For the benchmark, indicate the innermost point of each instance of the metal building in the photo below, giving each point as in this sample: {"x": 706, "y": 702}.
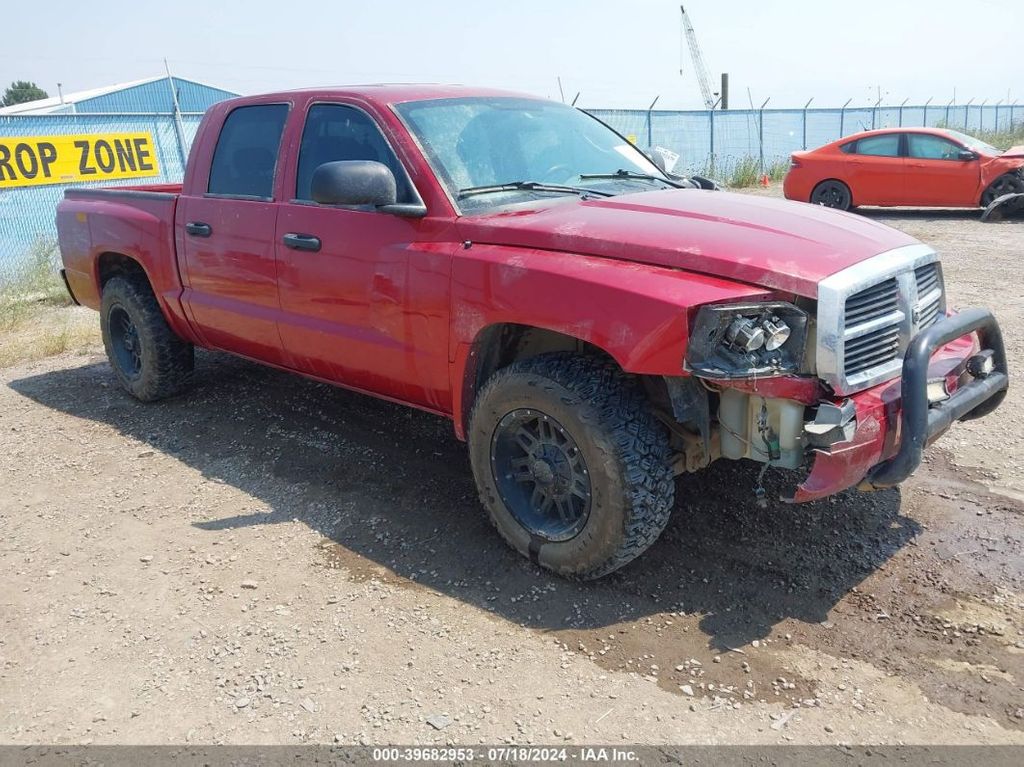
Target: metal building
{"x": 39, "y": 156}
{"x": 154, "y": 95}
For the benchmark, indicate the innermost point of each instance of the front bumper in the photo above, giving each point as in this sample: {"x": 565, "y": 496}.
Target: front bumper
{"x": 896, "y": 420}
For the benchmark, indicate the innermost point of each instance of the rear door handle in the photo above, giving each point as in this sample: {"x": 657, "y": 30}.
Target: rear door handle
{"x": 301, "y": 242}
{"x": 198, "y": 229}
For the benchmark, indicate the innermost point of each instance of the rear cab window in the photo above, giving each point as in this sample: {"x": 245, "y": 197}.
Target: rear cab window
{"x": 245, "y": 158}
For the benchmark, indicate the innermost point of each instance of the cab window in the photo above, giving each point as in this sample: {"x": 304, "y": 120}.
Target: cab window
{"x": 337, "y": 132}
{"x": 927, "y": 147}
{"x": 246, "y": 153}
{"x": 886, "y": 145}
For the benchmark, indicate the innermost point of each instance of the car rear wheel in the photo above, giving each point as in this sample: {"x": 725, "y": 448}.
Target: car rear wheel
{"x": 571, "y": 463}
{"x": 1008, "y": 183}
{"x": 150, "y": 361}
{"x": 832, "y": 194}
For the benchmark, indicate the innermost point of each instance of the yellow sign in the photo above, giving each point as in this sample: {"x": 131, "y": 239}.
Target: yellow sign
{"x": 39, "y": 160}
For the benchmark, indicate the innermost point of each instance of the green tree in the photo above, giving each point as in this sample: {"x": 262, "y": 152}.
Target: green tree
{"x": 22, "y": 91}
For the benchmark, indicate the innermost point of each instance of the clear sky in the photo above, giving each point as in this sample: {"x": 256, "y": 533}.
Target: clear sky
{"x": 616, "y": 54}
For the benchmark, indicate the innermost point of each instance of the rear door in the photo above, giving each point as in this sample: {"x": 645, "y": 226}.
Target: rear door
{"x": 876, "y": 170}
{"x": 227, "y": 237}
{"x": 364, "y": 294}
{"x": 936, "y": 175}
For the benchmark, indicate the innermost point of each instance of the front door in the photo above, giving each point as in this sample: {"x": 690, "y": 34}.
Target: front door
{"x": 936, "y": 174}
{"x": 364, "y": 295}
{"x": 227, "y": 238}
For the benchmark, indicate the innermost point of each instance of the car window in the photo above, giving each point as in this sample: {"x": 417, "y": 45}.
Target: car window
{"x": 848, "y": 148}
{"x": 927, "y": 147}
{"x": 887, "y": 145}
{"x": 246, "y": 153}
{"x": 337, "y": 132}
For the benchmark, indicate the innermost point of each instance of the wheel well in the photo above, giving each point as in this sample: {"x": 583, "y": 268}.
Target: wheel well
{"x": 114, "y": 264}
{"x": 498, "y": 346}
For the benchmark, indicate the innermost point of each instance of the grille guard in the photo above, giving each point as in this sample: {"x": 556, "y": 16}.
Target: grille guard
{"x": 921, "y": 421}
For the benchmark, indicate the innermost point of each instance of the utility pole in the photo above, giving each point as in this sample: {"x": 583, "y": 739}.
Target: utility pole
{"x": 179, "y": 128}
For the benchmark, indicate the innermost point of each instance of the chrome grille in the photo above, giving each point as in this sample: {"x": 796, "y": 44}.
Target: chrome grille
{"x": 868, "y": 351}
{"x": 868, "y": 313}
{"x": 872, "y": 327}
{"x": 929, "y": 295}
{"x": 877, "y": 301}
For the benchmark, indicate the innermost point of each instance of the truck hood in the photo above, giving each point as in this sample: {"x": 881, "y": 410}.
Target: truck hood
{"x": 788, "y": 246}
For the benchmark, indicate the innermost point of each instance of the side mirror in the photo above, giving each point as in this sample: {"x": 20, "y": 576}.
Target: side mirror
{"x": 967, "y": 155}
{"x": 353, "y": 182}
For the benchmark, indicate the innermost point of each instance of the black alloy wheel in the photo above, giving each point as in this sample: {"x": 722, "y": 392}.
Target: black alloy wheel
{"x": 541, "y": 474}
{"x": 832, "y": 194}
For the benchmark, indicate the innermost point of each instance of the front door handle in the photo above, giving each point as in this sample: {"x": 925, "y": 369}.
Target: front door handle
{"x": 198, "y": 229}
{"x": 301, "y": 242}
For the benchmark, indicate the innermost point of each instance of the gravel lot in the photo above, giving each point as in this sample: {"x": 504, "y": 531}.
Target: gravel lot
{"x": 272, "y": 560}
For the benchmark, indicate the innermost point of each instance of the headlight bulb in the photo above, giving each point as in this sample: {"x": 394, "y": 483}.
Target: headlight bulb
{"x": 744, "y": 334}
{"x": 776, "y": 333}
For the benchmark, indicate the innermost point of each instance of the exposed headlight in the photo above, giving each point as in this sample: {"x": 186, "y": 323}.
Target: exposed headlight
{"x": 743, "y": 340}
{"x": 776, "y": 333}
{"x": 745, "y": 335}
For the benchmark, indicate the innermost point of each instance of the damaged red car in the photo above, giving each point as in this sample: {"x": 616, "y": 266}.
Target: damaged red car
{"x": 591, "y": 326}
{"x": 914, "y": 167}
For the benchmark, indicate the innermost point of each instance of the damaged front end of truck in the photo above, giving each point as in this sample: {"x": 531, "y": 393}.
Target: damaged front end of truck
{"x": 849, "y": 388}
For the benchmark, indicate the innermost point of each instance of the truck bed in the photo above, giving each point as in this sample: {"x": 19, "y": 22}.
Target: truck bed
{"x": 96, "y": 223}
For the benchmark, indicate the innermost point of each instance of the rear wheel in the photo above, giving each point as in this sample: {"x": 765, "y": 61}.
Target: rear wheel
{"x": 832, "y": 194}
{"x": 150, "y": 361}
{"x": 1008, "y": 183}
{"x": 571, "y": 464}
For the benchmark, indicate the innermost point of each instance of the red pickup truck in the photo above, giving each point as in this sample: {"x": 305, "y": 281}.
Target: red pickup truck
{"x": 592, "y": 326}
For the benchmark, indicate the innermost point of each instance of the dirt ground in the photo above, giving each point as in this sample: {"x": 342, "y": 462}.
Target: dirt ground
{"x": 270, "y": 560}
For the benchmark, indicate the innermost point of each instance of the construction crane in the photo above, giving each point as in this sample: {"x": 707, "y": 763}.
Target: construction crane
{"x": 700, "y": 70}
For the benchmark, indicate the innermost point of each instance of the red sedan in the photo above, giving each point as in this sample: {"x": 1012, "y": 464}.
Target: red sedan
{"x": 928, "y": 167}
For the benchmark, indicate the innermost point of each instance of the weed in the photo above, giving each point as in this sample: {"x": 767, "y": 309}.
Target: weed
{"x": 36, "y": 316}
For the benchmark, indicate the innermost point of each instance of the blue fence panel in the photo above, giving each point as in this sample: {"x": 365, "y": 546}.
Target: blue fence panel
{"x": 27, "y": 213}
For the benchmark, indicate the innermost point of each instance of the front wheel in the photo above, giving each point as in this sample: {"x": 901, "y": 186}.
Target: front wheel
{"x": 1008, "y": 183}
{"x": 150, "y": 361}
{"x": 832, "y": 194}
{"x": 571, "y": 464}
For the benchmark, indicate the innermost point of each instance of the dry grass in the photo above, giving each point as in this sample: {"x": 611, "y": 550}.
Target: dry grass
{"x": 744, "y": 172}
{"x": 37, "y": 318}
{"x": 43, "y": 331}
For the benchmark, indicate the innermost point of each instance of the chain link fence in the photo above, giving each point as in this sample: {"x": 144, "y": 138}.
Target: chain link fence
{"x": 708, "y": 142}
{"x": 27, "y": 214}
{"x": 715, "y": 142}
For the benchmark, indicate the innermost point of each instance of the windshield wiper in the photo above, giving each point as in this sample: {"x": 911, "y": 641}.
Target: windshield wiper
{"x": 530, "y": 186}
{"x": 622, "y": 173}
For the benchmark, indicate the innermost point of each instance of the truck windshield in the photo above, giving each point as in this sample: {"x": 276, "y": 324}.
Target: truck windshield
{"x": 520, "y": 149}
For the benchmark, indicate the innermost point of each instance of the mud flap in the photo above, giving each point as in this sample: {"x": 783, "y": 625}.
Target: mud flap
{"x": 1004, "y": 206}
